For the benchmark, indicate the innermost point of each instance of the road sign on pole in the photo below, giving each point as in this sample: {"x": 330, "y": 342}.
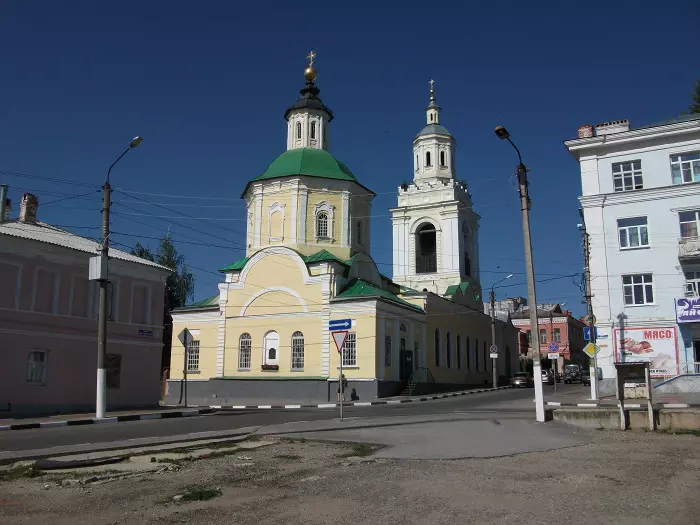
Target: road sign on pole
{"x": 185, "y": 337}
{"x": 587, "y": 333}
{"x": 591, "y": 350}
{"x": 553, "y": 347}
{"x": 340, "y": 324}
{"x": 339, "y": 340}
{"x": 493, "y": 349}
{"x": 553, "y": 355}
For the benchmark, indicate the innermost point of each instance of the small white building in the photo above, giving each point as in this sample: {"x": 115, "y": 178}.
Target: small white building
{"x": 641, "y": 205}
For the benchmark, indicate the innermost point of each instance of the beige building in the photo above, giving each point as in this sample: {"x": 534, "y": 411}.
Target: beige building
{"x": 265, "y": 334}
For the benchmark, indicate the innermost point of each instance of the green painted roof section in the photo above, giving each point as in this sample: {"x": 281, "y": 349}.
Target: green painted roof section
{"x": 323, "y": 256}
{"x": 204, "y": 303}
{"x": 307, "y": 161}
{"x": 360, "y": 288}
{"x": 236, "y": 265}
{"x": 452, "y": 289}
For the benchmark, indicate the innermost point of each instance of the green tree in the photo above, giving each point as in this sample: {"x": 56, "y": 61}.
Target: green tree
{"x": 695, "y": 106}
{"x": 179, "y": 285}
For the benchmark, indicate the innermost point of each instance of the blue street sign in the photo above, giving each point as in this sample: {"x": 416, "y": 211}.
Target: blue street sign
{"x": 587, "y": 333}
{"x": 553, "y": 347}
{"x": 340, "y": 324}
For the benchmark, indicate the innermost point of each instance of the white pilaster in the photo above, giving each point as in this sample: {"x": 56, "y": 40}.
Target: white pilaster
{"x": 381, "y": 323}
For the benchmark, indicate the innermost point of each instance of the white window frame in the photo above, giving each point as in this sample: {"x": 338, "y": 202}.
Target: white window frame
{"x": 639, "y": 230}
{"x": 543, "y": 336}
{"x": 245, "y": 351}
{"x": 696, "y": 222}
{"x": 350, "y": 350}
{"x": 556, "y": 335}
{"x": 329, "y": 210}
{"x": 690, "y": 166}
{"x": 636, "y": 280}
{"x": 692, "y": 277}
{"x": 625, "y": 172}
{"x": 193, "y": 355}
{"x": 275, "y": 207}
{"x": 36, "y": 370}
{"x": 268, "y": 339}
{"x": 297, "y": 351}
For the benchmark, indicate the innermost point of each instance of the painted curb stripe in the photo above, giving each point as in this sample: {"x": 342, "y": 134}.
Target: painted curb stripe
{"x": 676, "y": 405}
{"x": 326, "y": 405}
{"x": 363, "y": 404}
{"x": 292, "y": 406}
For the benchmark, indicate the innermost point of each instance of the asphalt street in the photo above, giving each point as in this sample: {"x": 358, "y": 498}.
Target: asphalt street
{"x": 515, "y": 403}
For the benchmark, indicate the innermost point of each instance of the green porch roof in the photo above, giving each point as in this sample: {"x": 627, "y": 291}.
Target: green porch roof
{"x": 324, "y": 256}
{"x": 463, "y": 286}
{"x": 236, "y": 265}
{"x": 359, "y": 288}
{"x": 204, "y": 303}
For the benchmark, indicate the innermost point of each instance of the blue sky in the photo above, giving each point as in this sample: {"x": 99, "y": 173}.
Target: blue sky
{"x": 206, "y": 85}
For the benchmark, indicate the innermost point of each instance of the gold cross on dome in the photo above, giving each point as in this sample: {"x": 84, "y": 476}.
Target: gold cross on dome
{"x": 311, "y": 57}
{"x": 432, "y": 84}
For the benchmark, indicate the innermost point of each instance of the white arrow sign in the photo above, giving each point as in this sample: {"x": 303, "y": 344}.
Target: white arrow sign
{"x": 339, "y": 338}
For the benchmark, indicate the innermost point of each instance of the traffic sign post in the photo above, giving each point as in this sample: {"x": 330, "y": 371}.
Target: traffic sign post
{"x": 587, "y": 333}
{"x": 185, "y": 337}
{"x": 340, "y": 324}
{"x": 553, "y": 356}
{"x": 339, "y": 338}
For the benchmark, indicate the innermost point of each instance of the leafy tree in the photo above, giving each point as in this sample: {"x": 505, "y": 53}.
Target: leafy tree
{"x": 179, "y": 285}
{"x": 695, "y": 106}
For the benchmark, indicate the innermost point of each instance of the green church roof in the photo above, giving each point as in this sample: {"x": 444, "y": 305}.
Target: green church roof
{"x": 209, "y": 302}
{"x": 235, "y": 265}
{"x": 323, "y": 256}
{"x": 361, "y": 288}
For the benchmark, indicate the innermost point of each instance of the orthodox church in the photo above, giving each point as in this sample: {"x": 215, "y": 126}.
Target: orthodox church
{"x": 265, "y": 335}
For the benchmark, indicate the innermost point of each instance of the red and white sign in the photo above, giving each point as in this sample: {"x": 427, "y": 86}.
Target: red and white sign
{"x": 339, "y": 338}
{"x": 657, "y": 345}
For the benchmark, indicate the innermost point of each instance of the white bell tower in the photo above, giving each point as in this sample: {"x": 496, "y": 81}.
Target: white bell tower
{"x": 435, "y": 230}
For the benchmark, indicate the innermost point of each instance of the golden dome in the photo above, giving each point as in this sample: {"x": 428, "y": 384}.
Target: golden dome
{"x": 310, "y": 74}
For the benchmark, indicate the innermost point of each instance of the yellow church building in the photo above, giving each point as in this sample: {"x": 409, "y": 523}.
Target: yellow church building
{"x": 265, "y": 335}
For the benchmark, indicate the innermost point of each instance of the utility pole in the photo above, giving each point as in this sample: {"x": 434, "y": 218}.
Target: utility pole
{"x": 589, "y": 306}
{"x": 99, "y": 271}
{"x": 494, "y": 363}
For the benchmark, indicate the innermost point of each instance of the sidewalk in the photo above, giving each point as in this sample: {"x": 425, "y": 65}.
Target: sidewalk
{"x": 581, "y": 398}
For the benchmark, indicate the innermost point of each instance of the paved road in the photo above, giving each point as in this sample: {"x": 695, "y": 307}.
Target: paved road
{"x": 516, "y": 403}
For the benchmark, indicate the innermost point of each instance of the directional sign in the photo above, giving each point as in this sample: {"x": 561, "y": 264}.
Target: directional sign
{"x": 339, "y": 338}
{"x": 553, "y": 347}
{"x": 553, "y": 355}
{"x": 587, "y": 333}
{"x": 340, "y": 324}
{"x": 184, "y": 337}
{"x": 591, "y": 350}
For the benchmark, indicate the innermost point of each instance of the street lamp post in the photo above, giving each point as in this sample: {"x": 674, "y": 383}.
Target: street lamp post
{"x": 493, "y": 329}
{"x": 502, "y": 133}
{"x": 102, "y": 275}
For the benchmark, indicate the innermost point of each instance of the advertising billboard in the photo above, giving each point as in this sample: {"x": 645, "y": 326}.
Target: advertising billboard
{"x": 656, "y": 345}
{"x": 688, "y": 310}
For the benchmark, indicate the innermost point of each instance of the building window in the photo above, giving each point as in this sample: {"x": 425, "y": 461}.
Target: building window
{"x": 10, "y": 278}
{"x": 350, "y": 350}
{"x": 685, "y": 168}
{"x": 638, "y": 288}
{"x": 387, "y": 350}
{"x": 45, "y": 291}
{"x": 297, "y": 351}
{"x": 459, "y": 352}
{"x": 322, "y": 225}
{"x": 271, "y": 344}
{"x": 627, "y": 176}
{"x": 529, "y": 337}
{"x": 469, "y": 364}
{"x": 139, "y": 304}
{"x": 417, "y": 163}
{"x": 437, "y": 347}
{"x": 359, "y": 232}
{"x": 476, "y": 354}
{"x": 193, "y": 356}
{"x": 543, "y": 336}
{"x": 313, "y": 130}
{"x": 690, "y": 223}
{"x": 486, "y": 356}
{"x": 113, "y": 372}
{"x": 448, "y": 349}
{"x": 36, "y": 367}
{"x": 633, "y": 232}
{"x": 692, "y": 281}
{"x": 442, "y": 159}
{"x": 298, "y": 130}
{"x": 427, "y": 159}
{"x": 245, "y": 347}
{"x": 557, "y": 335}
{"x": 426, "y": 249}
{"x": 431, "y": 117}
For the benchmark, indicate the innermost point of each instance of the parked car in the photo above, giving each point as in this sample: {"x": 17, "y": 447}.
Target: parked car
{"x": 547, "y": 377}
{"x": 586, "y": 377}
{"x": 521, "y": 379}
{"x": 572, "y": 373}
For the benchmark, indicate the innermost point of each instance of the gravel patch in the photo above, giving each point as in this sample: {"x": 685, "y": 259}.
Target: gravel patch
{"x": 622, "y": 478}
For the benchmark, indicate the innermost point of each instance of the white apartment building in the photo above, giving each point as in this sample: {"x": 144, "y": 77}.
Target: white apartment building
{"x": 641, "y": 205}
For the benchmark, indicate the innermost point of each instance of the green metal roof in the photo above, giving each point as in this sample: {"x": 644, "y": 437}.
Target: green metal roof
{"x": 323, "y": 256}
{"x": 236, "y": 265}
{"x": 311, "y": 162}
{"x": 451, "y": 290}
{"x": 361, "y": 288}
{"x": 209, "y": 302}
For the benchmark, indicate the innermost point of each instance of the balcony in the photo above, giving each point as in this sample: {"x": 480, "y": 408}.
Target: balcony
{"x": 689, "y": 248}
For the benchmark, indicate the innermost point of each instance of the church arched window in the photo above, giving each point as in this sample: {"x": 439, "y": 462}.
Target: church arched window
{"x": 427, "y": 158}
{"x": 313, "y": 130}
{"x": 322, "y": 225}
{"x": 431, "y": 117}
{"x": 426, "y": 249}
{"x": 442, "y": 159}
{"x": 417, "y": 163}
{"x": 298, "y": 130}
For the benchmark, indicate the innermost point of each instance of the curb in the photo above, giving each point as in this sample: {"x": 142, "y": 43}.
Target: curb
{"x": 627, "y": 405}
{"x": 115, "y": 419}
{"x": 213, "y": 408}
{"x": 357, "y": 403}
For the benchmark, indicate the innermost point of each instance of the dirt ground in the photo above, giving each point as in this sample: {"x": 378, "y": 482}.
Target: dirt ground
{"x": 621, "y": 478}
